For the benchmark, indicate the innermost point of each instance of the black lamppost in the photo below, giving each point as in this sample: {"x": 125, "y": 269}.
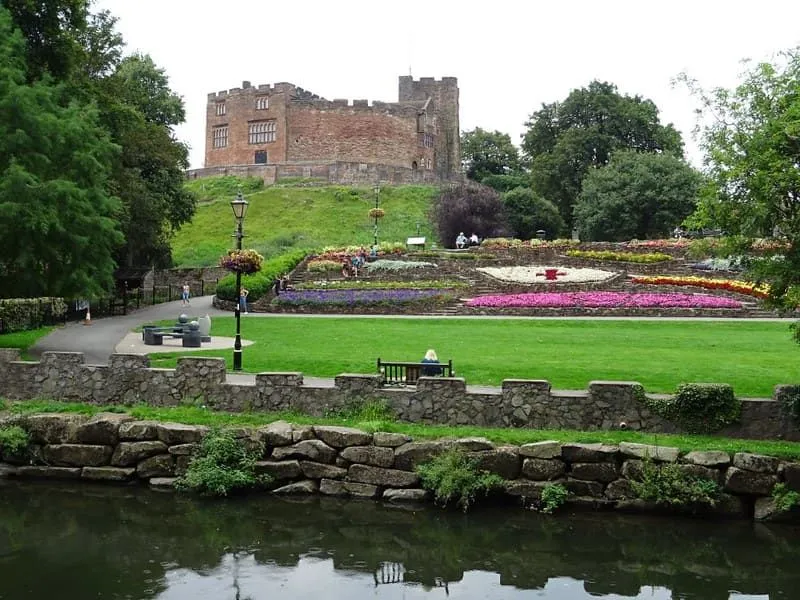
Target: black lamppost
{"x": 377, "y": 190}
{"x": 239, "y": 206}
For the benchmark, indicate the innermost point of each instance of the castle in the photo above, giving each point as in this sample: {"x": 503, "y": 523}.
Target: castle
{"x": 281, "y": 130}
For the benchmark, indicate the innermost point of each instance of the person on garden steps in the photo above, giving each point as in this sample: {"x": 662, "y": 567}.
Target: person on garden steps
{"x": 430, "y": 360}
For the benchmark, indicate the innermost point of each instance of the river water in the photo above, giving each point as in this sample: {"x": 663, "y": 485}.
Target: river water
{"x": 87, "y": 542}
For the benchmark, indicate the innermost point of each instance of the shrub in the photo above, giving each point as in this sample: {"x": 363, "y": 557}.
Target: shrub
{"x": 633, "y": 257}
{"x": 471, "y": 208}
{"x": 528, "y": 213}
{"x": 260, "y": 283}
{"x": 454, "y": 477}
{"x": 668, "y": 485}
{"x": 789, "y": 398}
{"x": 19, "y": 314}
{"x": 700, "y": 407}
{"x": 784, "y": 498}
{"x": 554, "y": 496}
{"x": 14, "y": 441}
{"x": 222, "y": 465}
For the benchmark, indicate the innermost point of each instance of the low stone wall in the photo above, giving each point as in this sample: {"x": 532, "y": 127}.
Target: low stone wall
{"x": 341, "y": 461}
{"x": 128, "y": 379}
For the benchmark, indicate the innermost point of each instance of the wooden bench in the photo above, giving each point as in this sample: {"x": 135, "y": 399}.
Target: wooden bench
{"x": 407, "y": 373}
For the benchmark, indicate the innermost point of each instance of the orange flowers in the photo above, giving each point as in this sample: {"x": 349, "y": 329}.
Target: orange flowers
{"x": 730, "y": 285}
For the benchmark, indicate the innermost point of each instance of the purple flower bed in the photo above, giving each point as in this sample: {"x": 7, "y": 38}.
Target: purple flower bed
{"x": 353, "y": 297}
{"x": 603, "y": 300}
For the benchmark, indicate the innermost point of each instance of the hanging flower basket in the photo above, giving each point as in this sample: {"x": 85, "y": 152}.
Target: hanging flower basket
{"x": 245, "y": 262}
{"x": 376, "y": 213}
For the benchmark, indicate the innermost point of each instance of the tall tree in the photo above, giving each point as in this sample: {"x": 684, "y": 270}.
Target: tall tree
{"x": 636, "y": 196}
{"x": 485, "y": 153}
{"x": 528, "y": 213}
{"x": 566, "y": 139}
{"x": 58, "y": 227}
{"x": 752, "y": 145}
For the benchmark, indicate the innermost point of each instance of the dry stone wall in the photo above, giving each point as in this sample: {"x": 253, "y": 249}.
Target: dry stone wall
{"x": 342, "y": 461}
{"x": 128, "y": 379}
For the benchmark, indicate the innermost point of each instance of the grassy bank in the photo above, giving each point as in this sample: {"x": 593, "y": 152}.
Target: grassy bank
{"x": 752, "y": 356}
{"x": 24, "y": 339}
{"x": 298, "y": 217}
{"x": 372, "y": 418}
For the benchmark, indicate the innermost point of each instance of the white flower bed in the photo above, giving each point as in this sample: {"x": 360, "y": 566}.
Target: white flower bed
{"x": 536, "y": 274}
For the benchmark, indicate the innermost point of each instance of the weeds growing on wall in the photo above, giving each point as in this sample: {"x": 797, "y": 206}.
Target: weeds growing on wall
{"x": 14, "y": 441}
{"x": 784, "y": 498}
{"x": 553, "y": 496}
{"x": 668, "y": 485}
{"x": 789, "y": 398}
{"x": 699, "y": 407}
{"x": 454, "y": 478}
{"x": 222, "y": 465}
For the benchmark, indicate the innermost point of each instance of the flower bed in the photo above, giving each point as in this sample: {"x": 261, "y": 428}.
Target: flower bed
{"x": 545, "y": 274}
{"x": 357, "y": 284}
{"x": 506, "y": 243}
{"x": 397, "y": 265}
{"x": 602, "y": 300}
{"x": 729, "y": 285}
{"x": 733, "y": 263}
{"x": 620, "y": 256}
{"x": 361, "y": 297}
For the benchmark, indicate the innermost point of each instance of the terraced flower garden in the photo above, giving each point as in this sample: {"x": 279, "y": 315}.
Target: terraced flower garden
{"x": 508, "y": 277}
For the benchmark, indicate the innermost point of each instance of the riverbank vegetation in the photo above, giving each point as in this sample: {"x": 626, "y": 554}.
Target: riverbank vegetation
{"x": 751, "y": 356}
{"x": 374, "y": 416}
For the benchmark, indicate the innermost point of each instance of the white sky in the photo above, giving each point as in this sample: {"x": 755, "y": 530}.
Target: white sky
{"x": 509, "y": 56}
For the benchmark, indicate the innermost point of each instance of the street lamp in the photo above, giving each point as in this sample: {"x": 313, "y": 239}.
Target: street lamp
{"x": 377, "y": 190}
{"x": 239, "y": 206}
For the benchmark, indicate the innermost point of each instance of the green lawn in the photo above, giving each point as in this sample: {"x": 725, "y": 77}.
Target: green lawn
{"x": 299, "y": 217}
{"x": 23, "y": 339}
{"x": 751, "y": 356}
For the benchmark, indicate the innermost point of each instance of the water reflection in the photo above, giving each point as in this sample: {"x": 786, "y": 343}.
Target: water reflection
{"x": 96, "y": 542}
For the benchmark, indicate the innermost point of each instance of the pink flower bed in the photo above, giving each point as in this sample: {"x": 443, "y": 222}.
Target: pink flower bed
{"x": 602, "y": 300}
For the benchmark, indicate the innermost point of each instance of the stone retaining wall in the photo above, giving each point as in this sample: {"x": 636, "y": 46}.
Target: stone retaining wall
{"x": 341, "y": 461}
{"x": 128, "y": 379}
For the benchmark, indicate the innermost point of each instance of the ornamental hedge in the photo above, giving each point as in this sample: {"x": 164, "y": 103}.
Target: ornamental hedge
{"x": 19, "y": 314}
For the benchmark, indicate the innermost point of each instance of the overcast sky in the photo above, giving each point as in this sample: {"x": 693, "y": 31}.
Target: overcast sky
{"x": 509, "y": 56}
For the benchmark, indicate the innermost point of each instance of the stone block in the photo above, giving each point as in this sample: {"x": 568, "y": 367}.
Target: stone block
{"x": 408, "y": 495}
{"x": 50, "y": 472}
{"x": 279, "y": 469}
{"x": 329, "y": 487}
{"x": 584, "y": 453}
{"x": 410, "y": 455}
{"x": 162, "y": 465}
{"x": 765, "y": 509}
{"x": 655, "y": 453}
{"x": 315, "y": 470}
{"x": 315, "y": 450}
{"x": 584, "y": 488}
{"x": 385, "y": 477}
{"x": 593, "y": 471}
{"x": 179, "y": 433}
{"x": 708, "y": 458}
{"x": 525, "y": 489}
{"x": 740, "y": 481}
{"x": 302, "y": 433}
{"x": 166, "y": 483}
{"x": 275, "y": 434}
{"x": 504, "y": 462}
{"x": 619, "y": 489}
{"x": 390, "y": 440}
{"x": 54, "y": 428}
{"x": 544, "y": 450}
{"x": 128, "y": 454}
{"x": 7, "y": 470}
{"x": 729, "y": 505}
{"x": 107, "y": 473}
{"x": 139, "y": 431}
{"x": 473, "y": 444}
{"x": 541, "y": 469}
{"x": 369, "y": 455}
{"x": 361, "y": 490}
{"x": 77, "y": 455}
{"x": 791, "y": 474}
{"x": 183, "y": 449}
{"x": 342, "y": 437}
{"x": 102, "y": 429}
{"x": 632, "y": 469}
{"x": 182, "y": 464}
{"x": 756, "y": 462}
{"x": 301, "y": 487}
{"x": 701, "y": 472}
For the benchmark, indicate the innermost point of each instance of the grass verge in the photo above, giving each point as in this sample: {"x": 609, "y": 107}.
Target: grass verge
{"x": 370, "y": 419}
{"x": 24, "y": 339}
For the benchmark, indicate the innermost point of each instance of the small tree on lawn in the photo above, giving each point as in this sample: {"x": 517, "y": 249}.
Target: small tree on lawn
{"x": 469, "y": 208}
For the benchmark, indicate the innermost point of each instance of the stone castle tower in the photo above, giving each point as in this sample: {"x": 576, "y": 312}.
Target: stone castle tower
{"x": 286, "y": 127}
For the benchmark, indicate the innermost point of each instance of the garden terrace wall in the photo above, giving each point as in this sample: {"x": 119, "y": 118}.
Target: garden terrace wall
{"x": 128, "y": 379}
{"x": 346, "y": 462}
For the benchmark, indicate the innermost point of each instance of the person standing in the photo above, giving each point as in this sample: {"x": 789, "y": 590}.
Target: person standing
{"x": 243, "y": 300}
{"x": 185, "y": 292}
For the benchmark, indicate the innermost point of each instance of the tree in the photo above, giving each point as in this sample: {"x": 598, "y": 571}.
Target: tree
{"x": 486, "y": 153}
{"x": 636, "y": 196}
{"x": 58, "y": 227}
{"x": 528, "y": 213}
{"x": 565, "y": 140}
{"x": 752, "y": 159}
{"x": 468, "y": 208}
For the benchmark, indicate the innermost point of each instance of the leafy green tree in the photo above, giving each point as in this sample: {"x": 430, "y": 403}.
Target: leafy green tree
{"x": 506, "y": 183}
{"x": 752, "y": 149}
{"x": 528, "y": 213}
{"x": 485, "y": 153}
{"x": 636, "y": 196}
{"x": 566, "y": 139}
{"x": 58, "y": 228}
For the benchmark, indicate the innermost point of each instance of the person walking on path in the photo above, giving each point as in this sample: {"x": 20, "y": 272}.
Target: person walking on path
{"x": 185, "y": 293}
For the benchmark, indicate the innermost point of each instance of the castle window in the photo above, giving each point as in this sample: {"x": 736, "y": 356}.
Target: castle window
{"x": 426, "y": 140}
{"x": 260, "y": 157}
{"x": 262, "y": 102}
{"x": 261, "y": 132}
{"x": 220, "y": 137}
{"x": 220, "y": 109}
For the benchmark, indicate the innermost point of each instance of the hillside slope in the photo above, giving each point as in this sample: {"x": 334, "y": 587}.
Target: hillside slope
{"x": 281, "y": 217}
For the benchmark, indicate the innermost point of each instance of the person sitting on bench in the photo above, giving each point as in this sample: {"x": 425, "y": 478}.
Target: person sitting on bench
{"x": 431, "y": 361}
